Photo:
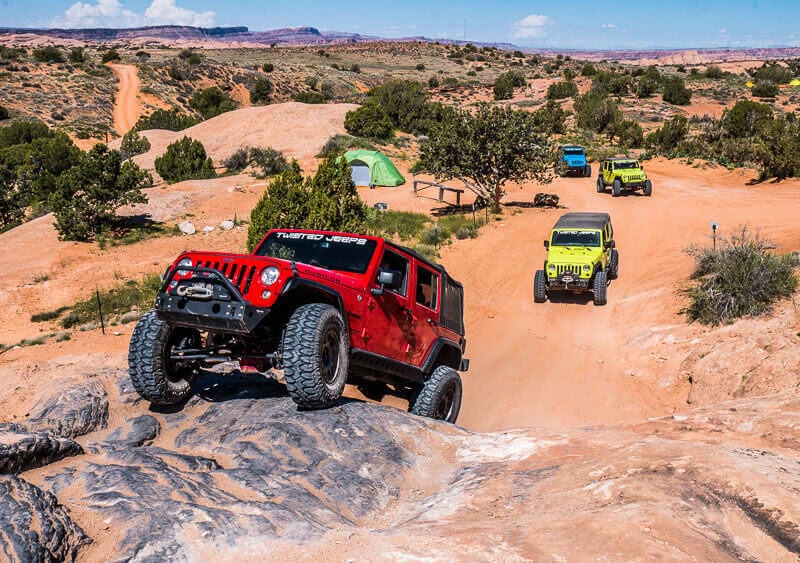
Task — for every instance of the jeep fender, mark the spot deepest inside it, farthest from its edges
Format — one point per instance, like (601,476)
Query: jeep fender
(443,352)
(300,286)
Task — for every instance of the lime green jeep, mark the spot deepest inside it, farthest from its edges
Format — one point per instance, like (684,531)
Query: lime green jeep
(581,256)
(623,174)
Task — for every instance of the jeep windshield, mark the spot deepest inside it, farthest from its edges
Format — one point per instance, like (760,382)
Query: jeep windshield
(575,152)
(333,252)
(626,165)
(576,238)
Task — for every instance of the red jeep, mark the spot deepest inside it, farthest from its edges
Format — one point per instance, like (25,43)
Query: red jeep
(327,308)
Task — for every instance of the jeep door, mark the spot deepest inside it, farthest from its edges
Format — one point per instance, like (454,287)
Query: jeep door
(426,307)
(388,317)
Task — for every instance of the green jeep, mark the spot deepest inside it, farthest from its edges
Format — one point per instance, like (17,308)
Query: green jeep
(623,174)
(581,256)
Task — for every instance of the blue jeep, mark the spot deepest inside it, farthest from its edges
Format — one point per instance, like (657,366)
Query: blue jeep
(573,161)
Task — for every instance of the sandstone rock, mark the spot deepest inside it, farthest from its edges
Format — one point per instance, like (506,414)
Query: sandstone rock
(21,450)
(187,228)
(79,408)
(227,225)
(208,228)
(130,317)
(545,200)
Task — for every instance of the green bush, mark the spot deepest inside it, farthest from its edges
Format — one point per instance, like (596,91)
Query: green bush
(184,160)
(268,160)
(261,92)
(211,102)
(195,59)
(666,138)
(268,67)
(714,72)
(675,91)
(594,110)
(612,82)
(3,113)
(561,90)
(342,143)
(745,119)
(742,277)
(646,87)
(551,118)
(238,161)
(48,54)
(171,120)
(503,88)
(133,144)
(309,98)
(405,102)
(370,120)
(129,296)
(764,89)
(175,73)
(773,72)
(420,67)
(110,56)
(77,55)
(588,70)
(628,133)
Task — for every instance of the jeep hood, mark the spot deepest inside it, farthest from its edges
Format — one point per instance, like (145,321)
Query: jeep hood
(574,254)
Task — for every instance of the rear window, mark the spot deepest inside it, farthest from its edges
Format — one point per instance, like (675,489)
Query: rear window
(333,252)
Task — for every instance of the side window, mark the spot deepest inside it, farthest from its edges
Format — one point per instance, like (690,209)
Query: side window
(393,261)
(427,288)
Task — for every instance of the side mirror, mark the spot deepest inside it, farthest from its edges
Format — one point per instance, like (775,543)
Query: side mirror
(547,244)
(392,279)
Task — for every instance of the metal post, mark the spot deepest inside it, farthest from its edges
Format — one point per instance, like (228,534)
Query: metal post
(714,227)
(474,221)
(100,310)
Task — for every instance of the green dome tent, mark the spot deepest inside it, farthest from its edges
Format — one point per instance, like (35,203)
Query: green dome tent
(381,170)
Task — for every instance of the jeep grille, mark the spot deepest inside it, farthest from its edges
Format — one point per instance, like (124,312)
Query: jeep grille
(239,275)
(563,268)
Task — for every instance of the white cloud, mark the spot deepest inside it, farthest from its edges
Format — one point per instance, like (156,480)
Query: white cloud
(608,26)
(111,13)
(532,27)
(722,30)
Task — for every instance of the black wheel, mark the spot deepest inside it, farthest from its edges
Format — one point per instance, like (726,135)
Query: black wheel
(316,350)
(154,374)
(587,171)
(616,188)
(539,287)
(613,265)
(440,396)
(600,288)
(601,186)
(648,188)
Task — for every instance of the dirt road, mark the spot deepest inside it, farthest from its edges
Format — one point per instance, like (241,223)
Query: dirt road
(126,106)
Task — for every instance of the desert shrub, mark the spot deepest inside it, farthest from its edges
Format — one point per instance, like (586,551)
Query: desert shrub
(133,143)
(714,72)
(143,56)
(77,55)
(742,277)
(646,87)
(268,160)
(675,91)
(195,59)
(48,54)
(612,82)
(588,70)
(745,118)
(355,68)
(9,53)
(185,159)
(561,90)
(370,120)
(175,73)
(261,92)
(450,82)
(777,151)
(341,143)
(326,201)
(3,113)
(309,98)
(87,195)
(185,54)
(238,161)
(327,91)
(628,133)
(126,297)
(765,89)
(171,120)
(405,225)
(551,118)
(405,102)
(666,138)
(503,88)
(420,67)
(110,55)
(311,82)
(268,67)
(773,72)
(594,110)
(211,102)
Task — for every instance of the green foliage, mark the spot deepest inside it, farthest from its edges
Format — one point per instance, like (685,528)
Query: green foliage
(261,92)
(403,225)
(594,110)
(628,133)
(772,71)
(405,102)
(505,84)
(87,195)
(171,120)
(342,143)
(110,56)
(238,161)
(646,87)
(741,278)
(133,144)
(48,315)
(3,113)
(131,296)
(184,160)
(10,53)
(551,118)
(778,152)
(311,82)
(195,59)
(490,147)
(309,98)
(175,73)
(420,67)
(561,90)
(268,67)
(765,89)
(675,91)
(714,72)
(355,68)
(268,160)
(745,118)
(326,201)
(588,70)
(77,55)
(666,139)
(370,120)
(211,102)
(612,82)
(48,54)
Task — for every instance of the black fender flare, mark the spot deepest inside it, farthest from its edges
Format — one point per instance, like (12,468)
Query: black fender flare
(439,345)
(294,283)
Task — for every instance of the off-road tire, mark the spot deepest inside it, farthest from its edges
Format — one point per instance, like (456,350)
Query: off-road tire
(539,287)
(440,396)
(600,288)
(613,265)
(601,186)
(587,171)
(648,188)
(616,188)
(316,350)
(151,370)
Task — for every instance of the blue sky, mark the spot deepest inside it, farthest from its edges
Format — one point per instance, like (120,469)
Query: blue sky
(580,24)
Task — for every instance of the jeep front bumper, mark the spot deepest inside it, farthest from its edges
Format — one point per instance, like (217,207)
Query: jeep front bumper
(634,185)
(206,301)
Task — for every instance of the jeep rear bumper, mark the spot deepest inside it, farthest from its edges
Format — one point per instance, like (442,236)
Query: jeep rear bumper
(206,301)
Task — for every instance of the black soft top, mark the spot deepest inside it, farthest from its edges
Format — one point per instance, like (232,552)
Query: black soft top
(583,221)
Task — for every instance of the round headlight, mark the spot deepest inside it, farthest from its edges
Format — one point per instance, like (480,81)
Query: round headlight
(184,262)
(270,275)
(586,267)
(551,267)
